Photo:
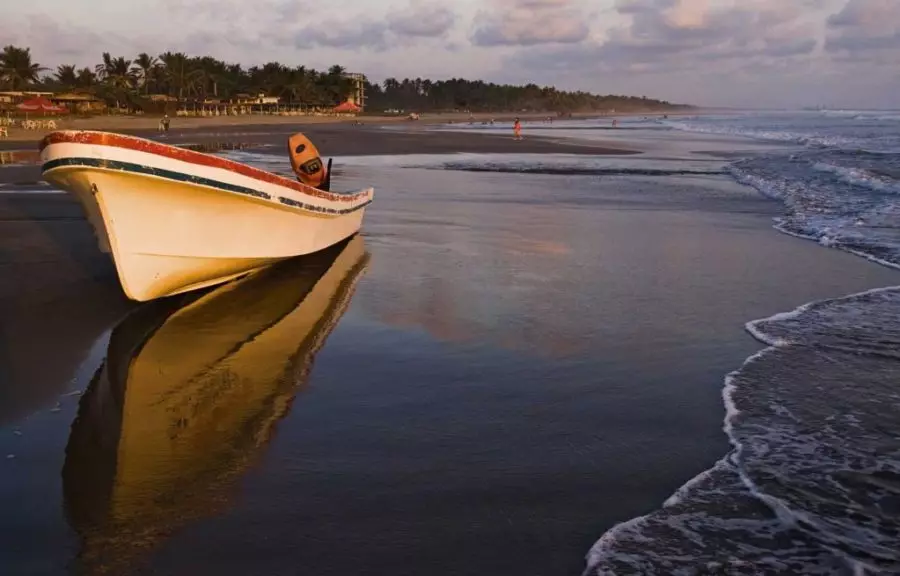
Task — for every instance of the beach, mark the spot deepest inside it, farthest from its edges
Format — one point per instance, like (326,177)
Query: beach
(527,347)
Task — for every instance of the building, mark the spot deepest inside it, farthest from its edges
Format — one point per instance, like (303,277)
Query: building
(358,96)
(83,103)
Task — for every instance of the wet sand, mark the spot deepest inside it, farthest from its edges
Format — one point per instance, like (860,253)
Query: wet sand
(58,293)
(368,138)
(525,361)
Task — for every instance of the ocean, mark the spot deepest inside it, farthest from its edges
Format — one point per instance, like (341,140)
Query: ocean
(812,483)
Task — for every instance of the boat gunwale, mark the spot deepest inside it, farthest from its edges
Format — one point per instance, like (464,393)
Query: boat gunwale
(137,144)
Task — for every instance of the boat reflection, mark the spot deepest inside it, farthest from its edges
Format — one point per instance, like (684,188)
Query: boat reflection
(19,157)
(188,397)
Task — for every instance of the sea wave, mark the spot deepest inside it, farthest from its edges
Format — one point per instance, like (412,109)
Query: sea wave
(871,134)
(812,485)
(878,115)
(844,200)
(859,176)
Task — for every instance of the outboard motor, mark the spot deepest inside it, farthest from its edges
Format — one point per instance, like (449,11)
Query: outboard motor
(307,163)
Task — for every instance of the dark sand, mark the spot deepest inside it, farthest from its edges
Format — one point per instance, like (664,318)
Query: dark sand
(526,361)
(58,293)
(347,139)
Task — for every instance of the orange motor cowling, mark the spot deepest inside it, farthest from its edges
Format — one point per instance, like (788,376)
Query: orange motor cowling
(307,163)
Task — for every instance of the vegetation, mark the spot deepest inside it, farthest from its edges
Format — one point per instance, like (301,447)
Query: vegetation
(480,96)
(129,83)
(16,68)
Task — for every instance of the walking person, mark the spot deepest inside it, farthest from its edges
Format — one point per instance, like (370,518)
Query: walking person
(517,130)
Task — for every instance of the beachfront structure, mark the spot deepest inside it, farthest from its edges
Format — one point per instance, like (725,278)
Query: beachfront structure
(15,96)
(83,103)
(238,105)
(358,96)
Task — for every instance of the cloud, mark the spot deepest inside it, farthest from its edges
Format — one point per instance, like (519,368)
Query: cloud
(343,35)
(700,51)
(418,21)
(422,20)
(226,29)
(703,51)
(52,44)
(863,27)
(661,36)
(530,23)
(677,33)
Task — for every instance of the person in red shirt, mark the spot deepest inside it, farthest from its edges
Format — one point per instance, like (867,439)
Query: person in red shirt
(517,130)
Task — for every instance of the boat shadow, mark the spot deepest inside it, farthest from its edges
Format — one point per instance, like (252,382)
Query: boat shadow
(188,398)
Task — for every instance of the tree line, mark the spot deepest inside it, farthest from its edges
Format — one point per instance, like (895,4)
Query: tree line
(128,83)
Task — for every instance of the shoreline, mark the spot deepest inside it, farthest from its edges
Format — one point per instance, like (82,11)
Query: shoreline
(140,125)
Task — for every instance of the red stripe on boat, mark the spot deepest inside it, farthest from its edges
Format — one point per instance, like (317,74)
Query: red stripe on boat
(185,155)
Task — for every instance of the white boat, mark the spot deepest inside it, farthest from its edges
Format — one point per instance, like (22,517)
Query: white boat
(175,219)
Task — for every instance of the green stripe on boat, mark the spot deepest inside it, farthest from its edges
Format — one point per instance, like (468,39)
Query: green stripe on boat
(187,178)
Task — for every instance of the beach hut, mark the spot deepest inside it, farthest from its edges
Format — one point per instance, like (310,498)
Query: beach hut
(78,102)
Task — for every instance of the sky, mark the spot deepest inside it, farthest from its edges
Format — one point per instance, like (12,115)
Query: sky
(740,53)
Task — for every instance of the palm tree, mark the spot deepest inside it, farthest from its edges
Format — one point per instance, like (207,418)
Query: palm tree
(178,72)
(391,84)
(66,76)
(16,68)
(147,67)
(116,72)
(86,78)
(118,76)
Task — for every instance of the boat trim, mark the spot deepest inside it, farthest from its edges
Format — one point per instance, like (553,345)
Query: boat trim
(120,166)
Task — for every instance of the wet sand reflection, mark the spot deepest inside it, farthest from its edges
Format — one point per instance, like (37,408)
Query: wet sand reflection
(188,398)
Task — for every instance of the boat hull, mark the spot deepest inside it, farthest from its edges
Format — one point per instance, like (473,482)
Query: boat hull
(174,225)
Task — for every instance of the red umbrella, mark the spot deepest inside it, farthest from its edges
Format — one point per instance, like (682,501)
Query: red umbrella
(347,107)
(40,104)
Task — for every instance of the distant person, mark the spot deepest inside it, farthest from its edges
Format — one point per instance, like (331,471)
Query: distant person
(517,130)
(165,122)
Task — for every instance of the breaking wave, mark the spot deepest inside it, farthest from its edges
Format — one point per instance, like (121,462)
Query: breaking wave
(837,198)
(813,483)
(870,133)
